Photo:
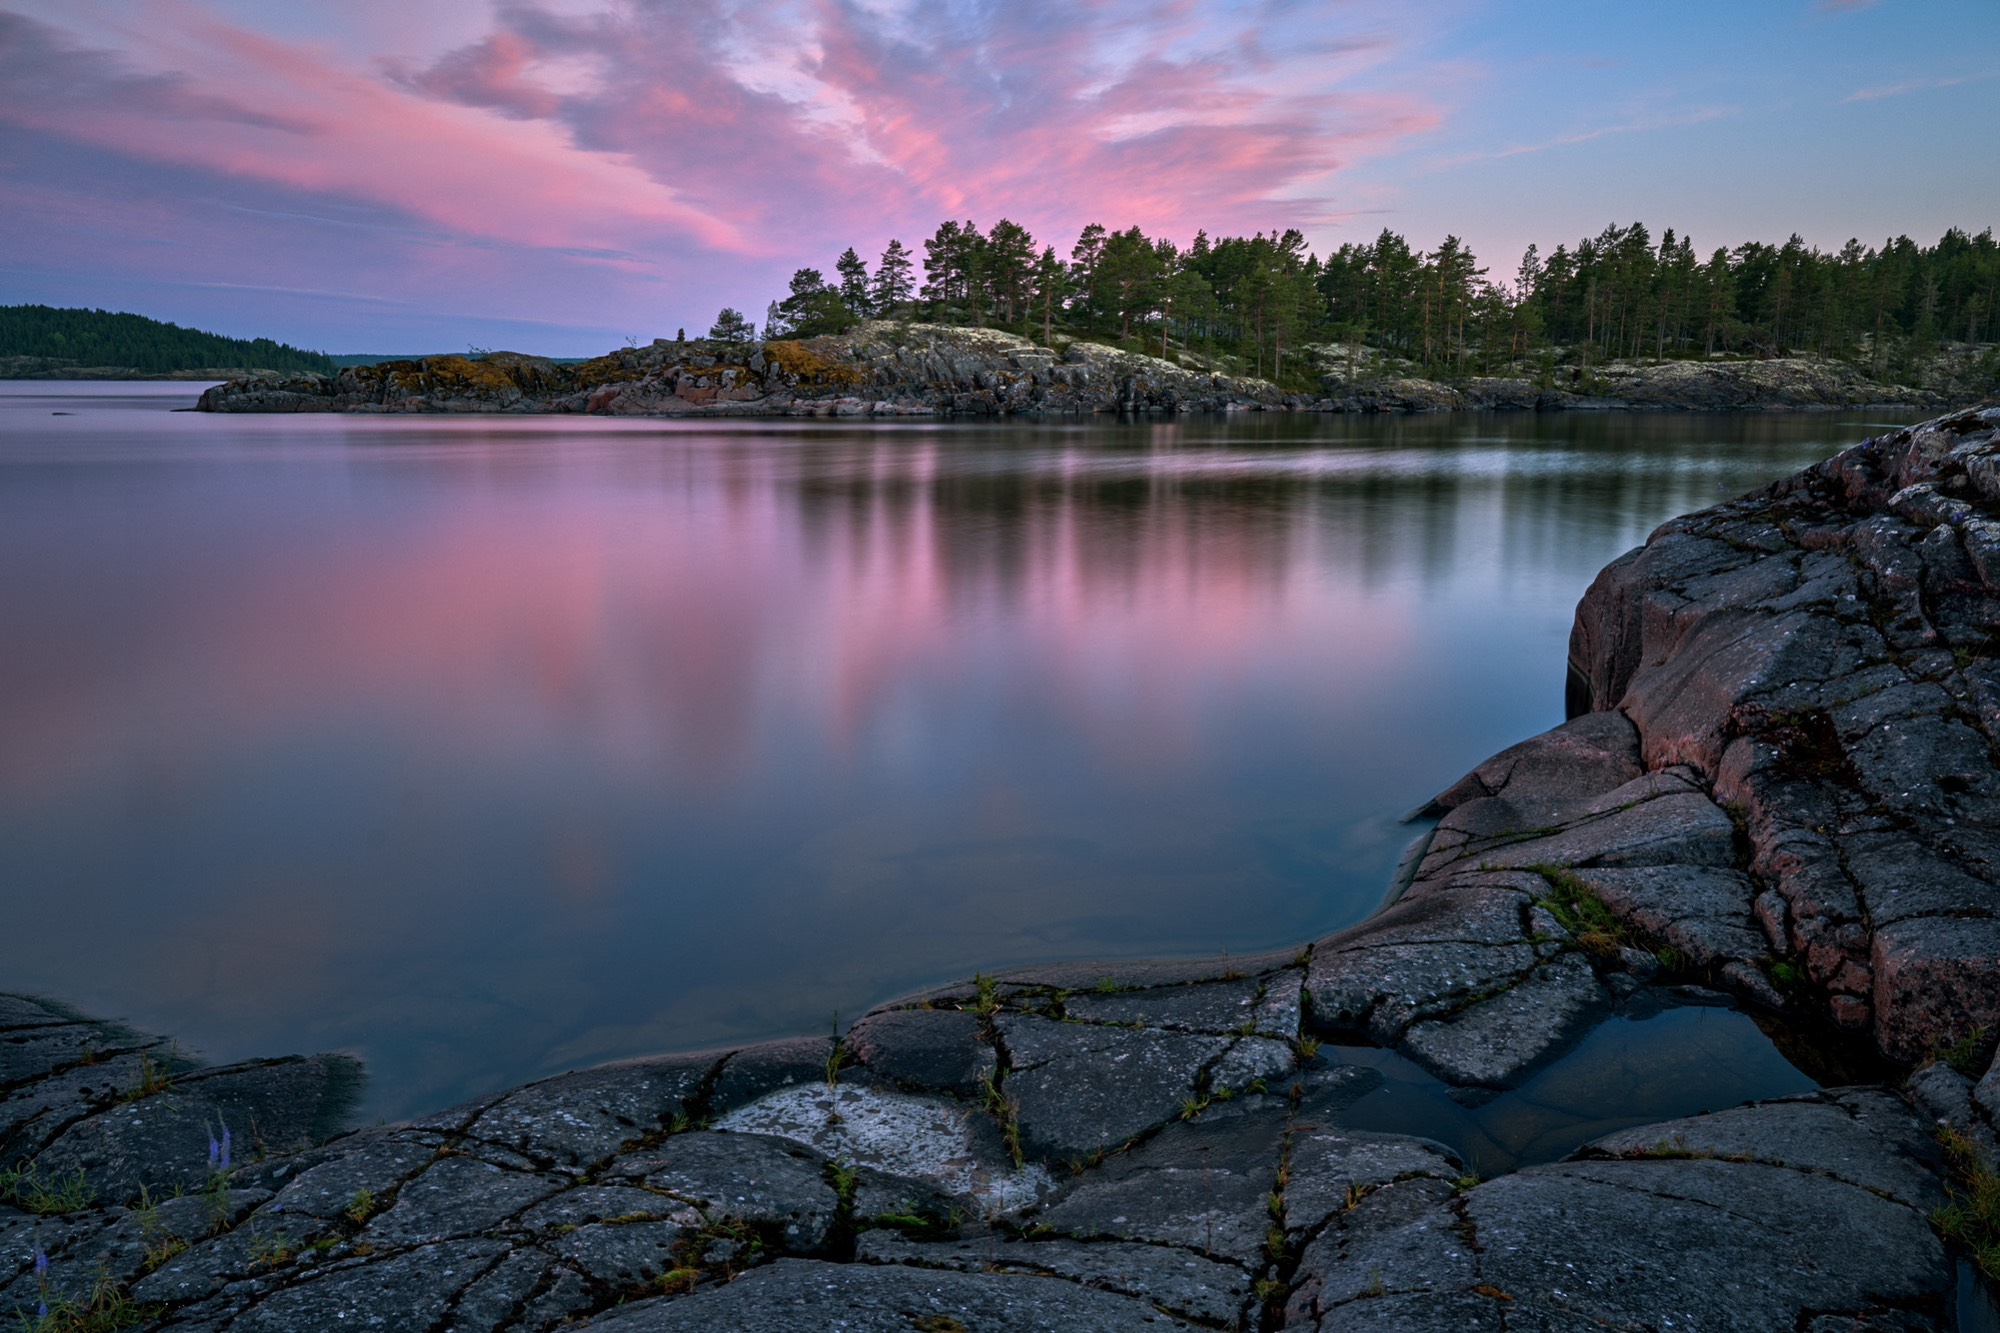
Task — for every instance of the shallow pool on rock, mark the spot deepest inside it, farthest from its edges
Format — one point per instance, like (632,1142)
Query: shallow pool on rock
(1642,1065)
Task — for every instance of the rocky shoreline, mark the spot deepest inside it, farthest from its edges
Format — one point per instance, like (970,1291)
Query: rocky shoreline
(884,369)
(53,368)
(1778,782)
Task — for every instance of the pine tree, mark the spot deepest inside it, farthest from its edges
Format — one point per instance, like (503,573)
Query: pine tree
(731,327)
(1009,269)
(814,307)
(894,282)
(1052,288)
(854,282)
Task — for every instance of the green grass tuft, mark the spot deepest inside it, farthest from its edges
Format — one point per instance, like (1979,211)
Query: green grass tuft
(25,1188)
(1971,1220)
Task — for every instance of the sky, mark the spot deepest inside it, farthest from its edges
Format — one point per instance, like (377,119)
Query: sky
(560,176)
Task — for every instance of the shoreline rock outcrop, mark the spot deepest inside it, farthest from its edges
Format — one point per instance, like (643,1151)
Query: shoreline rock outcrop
(884,369)
(1779,782)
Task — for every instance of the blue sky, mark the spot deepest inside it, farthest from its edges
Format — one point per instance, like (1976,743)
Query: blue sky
(362,175)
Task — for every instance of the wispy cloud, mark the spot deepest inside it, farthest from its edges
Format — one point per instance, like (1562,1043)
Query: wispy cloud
(695,142)
(1886,90)
(1693,116)
(734,126)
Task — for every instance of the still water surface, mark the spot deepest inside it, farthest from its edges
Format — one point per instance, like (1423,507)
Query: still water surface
(486,748)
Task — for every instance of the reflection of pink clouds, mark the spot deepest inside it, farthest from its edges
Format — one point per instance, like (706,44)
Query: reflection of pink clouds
(661,631)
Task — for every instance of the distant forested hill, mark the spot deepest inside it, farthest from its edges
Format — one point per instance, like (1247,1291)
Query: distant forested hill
(88,338)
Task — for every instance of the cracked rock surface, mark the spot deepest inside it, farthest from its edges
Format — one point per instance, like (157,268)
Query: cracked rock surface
(1818,657)
(909,1205)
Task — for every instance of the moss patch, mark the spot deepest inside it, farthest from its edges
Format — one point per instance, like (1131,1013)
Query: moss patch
(1596,929)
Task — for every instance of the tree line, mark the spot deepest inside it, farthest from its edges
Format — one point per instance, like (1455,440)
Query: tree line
(1259,298)
(102,338)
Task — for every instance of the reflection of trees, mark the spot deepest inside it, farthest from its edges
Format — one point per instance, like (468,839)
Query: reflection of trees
(1250,502)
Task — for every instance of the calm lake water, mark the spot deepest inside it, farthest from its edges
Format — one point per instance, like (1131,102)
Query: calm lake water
(488,748)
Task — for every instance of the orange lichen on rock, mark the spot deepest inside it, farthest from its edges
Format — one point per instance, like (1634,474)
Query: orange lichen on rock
(807,366)
(608,369)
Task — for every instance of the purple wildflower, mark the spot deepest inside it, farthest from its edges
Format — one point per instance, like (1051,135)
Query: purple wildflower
(214,1152)
(41,1263)
(225,1147)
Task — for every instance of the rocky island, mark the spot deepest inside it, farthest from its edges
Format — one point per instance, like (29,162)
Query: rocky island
(891,369)
(1777,785)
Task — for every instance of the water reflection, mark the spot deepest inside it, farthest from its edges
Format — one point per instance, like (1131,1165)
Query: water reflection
(1644,1065)
(486,748)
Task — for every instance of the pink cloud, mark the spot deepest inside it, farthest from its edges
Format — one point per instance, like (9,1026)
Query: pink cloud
(646,131)
(294,117)
(491,73)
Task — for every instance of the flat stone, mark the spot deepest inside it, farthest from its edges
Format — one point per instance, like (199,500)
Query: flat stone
(1397,1239)
(623,1253)
(1575,761)
(1380,992)
(118,1245)
(1182,1283)
(1862,1137)
(1424,956)
(1218,1008)
(458,1196)
(405,1291)
(885,1200)
(34,1052)
(872,1299)
(1253,1064)
(1699,1244)
(1681,829)
(584,1204)
(24,1235)
(376,1162)
(25,1011)
(1427,1313)
(1280,1010)
(757,1070)
(1469,908)
(748,1177)
(160,1142)
(1704,912)
(1332,1167)
(574,1120)
(1464,836)
(1081,1089)
(944,1144)
(238,1262)
(1899,877)
(1145,973)
(925,1049)
(1201,1184)
(36,1111)
(1498,1041)
(1936,980)
(526,1290)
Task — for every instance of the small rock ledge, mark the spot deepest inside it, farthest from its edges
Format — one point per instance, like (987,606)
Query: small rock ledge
(1779,782)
